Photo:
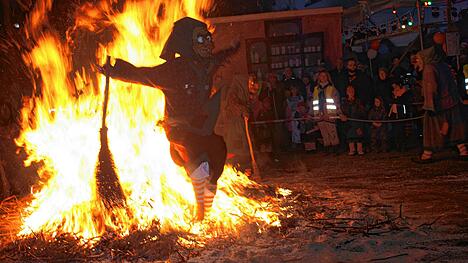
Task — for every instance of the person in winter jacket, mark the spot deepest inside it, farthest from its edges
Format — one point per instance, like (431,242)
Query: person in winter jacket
(353,108)
(378,130)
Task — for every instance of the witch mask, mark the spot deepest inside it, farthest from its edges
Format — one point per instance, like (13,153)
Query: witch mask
(202,42)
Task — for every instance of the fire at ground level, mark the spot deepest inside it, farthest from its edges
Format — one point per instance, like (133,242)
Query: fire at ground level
(381,207)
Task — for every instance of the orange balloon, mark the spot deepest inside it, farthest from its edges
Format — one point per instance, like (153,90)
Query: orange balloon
(439,38)
(374,44)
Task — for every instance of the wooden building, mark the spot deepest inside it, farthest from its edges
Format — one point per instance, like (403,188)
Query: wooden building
(300,39)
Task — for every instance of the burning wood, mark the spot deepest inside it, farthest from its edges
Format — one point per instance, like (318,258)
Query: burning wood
(147,244)
(151,243)
(301,215)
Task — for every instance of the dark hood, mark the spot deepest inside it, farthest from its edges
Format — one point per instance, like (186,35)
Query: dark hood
(180,40)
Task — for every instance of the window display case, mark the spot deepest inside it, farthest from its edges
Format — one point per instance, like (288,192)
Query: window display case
(285,46)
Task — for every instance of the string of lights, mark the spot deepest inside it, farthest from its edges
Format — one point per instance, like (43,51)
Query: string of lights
(398,23)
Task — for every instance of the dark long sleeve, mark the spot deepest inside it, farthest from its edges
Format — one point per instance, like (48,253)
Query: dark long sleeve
(221,57)
(150,76)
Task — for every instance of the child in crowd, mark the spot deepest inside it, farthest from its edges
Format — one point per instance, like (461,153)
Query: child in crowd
(378,129)
(400,109)
(302,113)
(292,111)
(353,108)
(309,87)
(383,87)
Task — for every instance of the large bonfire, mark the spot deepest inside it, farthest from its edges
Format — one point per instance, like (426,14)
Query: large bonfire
(60,130)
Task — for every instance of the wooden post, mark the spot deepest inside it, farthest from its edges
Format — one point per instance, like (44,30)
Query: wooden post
(449,15)
(418,7)
(256,170)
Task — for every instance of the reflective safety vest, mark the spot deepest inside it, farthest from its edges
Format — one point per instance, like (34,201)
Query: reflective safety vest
(329,105)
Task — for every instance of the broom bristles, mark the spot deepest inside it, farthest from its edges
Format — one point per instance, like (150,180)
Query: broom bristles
(108,187)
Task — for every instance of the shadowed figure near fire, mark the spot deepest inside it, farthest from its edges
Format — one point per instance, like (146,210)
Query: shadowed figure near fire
(191,110)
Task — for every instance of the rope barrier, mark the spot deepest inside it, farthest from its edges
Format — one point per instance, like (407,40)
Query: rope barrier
(335,118)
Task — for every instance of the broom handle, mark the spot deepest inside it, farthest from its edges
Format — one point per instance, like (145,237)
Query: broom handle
(249,141)
(106,94)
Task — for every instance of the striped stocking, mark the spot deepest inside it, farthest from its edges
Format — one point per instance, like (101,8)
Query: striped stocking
(199,179)
(462,149)
(426,155)
(210,192)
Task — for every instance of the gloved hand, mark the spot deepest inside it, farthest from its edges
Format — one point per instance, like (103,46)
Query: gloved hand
(105,69)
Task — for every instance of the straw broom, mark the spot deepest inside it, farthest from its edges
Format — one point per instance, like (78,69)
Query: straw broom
(109,189)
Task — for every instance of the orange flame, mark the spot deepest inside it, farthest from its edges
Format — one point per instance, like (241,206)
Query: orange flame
(61,132)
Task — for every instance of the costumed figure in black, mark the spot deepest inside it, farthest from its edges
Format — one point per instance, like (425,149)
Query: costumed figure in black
(191,111)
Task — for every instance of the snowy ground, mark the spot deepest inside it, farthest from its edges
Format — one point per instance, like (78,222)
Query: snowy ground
(377,208)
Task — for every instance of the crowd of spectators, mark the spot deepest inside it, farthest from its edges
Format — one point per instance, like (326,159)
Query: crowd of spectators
(319,109)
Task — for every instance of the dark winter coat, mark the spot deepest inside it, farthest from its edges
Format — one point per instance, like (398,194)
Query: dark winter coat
(186,84)
(403,105)
(383,89)
(377,113)
(362,84)
(354,109)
